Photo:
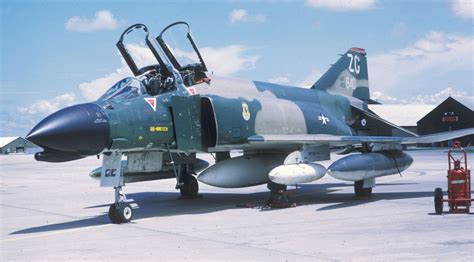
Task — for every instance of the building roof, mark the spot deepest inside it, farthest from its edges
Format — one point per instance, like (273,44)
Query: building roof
(402,115)
(7,140)
(467,101)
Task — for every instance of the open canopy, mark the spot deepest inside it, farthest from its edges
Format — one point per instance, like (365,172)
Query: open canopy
(140,51)
(180,48)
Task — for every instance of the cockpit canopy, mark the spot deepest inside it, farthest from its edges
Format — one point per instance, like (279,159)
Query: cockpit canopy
(153,57)
(140,51)
(124,90)
(178,45)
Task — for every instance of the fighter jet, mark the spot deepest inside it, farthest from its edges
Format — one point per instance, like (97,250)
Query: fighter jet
(152,125)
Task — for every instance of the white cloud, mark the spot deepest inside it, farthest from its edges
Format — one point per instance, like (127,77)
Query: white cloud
(103,20)
(343,5)
(241,15)
(279,80)
(222,61)
(385,99)
(442,95)
(228,60)
(310,79)
(463,8)
(435,53)
(49,106)
(95,88)
(434,99)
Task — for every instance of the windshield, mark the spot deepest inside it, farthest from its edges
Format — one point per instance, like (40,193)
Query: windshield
(125,89)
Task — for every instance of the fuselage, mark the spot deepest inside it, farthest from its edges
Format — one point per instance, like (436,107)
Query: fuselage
(208,117)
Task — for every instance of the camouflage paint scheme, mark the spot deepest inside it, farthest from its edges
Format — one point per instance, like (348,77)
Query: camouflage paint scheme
(272,109)
(172,110)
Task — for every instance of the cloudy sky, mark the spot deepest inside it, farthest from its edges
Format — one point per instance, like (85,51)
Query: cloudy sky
(58,53)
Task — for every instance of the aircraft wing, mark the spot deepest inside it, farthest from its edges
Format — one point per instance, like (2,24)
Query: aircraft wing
(353,140)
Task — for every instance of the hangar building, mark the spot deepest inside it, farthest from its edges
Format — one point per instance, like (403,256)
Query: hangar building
(405,116)
(451,114)
(16,144)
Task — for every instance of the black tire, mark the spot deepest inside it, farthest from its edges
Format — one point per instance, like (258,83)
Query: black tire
(274,187)
(438,201)
(190,188)
(124,212)
(360,191)
(113,214)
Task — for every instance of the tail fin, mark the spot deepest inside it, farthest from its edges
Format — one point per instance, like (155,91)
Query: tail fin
(348,76)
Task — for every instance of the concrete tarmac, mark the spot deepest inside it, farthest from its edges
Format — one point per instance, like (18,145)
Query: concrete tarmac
(55,212)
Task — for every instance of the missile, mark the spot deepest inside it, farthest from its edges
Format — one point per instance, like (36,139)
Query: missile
(165,172)
(293,174)
(370,165)
(242,171)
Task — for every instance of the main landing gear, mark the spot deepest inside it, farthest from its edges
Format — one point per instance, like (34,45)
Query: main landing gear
(278,197)
(362,192)
(189,188)
(120,211)
(187,183)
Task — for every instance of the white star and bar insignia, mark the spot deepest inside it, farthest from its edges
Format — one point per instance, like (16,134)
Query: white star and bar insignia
(323,119)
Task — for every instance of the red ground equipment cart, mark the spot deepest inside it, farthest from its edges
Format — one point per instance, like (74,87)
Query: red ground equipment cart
(459,183)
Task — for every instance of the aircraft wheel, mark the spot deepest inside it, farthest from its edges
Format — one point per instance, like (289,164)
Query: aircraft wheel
(360,191)
(124,213)
(274,187)
(113,214)
(438,200)
(190,188)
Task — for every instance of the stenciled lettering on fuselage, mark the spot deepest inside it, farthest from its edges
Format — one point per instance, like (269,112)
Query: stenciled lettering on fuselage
(158,129)
(354,67)
(99,119)
(354,63)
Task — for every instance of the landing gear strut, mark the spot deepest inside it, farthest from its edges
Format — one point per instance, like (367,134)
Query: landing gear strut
(188,185)
(278,197)
(360,191)
(120,211)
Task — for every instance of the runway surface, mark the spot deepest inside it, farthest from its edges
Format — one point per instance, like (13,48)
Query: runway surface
(56,212)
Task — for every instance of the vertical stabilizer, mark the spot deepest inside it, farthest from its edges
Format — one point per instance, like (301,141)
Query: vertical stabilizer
(348,76)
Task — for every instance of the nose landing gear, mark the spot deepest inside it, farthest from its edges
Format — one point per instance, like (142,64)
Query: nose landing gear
(120,211)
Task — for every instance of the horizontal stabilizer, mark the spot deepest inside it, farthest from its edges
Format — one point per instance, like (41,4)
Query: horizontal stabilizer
(438,137)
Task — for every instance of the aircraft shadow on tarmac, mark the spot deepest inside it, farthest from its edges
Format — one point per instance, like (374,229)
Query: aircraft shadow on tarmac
(161,204)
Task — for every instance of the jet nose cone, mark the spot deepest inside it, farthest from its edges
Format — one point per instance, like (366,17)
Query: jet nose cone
(82,129)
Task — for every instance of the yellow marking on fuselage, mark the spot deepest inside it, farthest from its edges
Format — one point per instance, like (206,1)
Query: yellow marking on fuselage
(158,129)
